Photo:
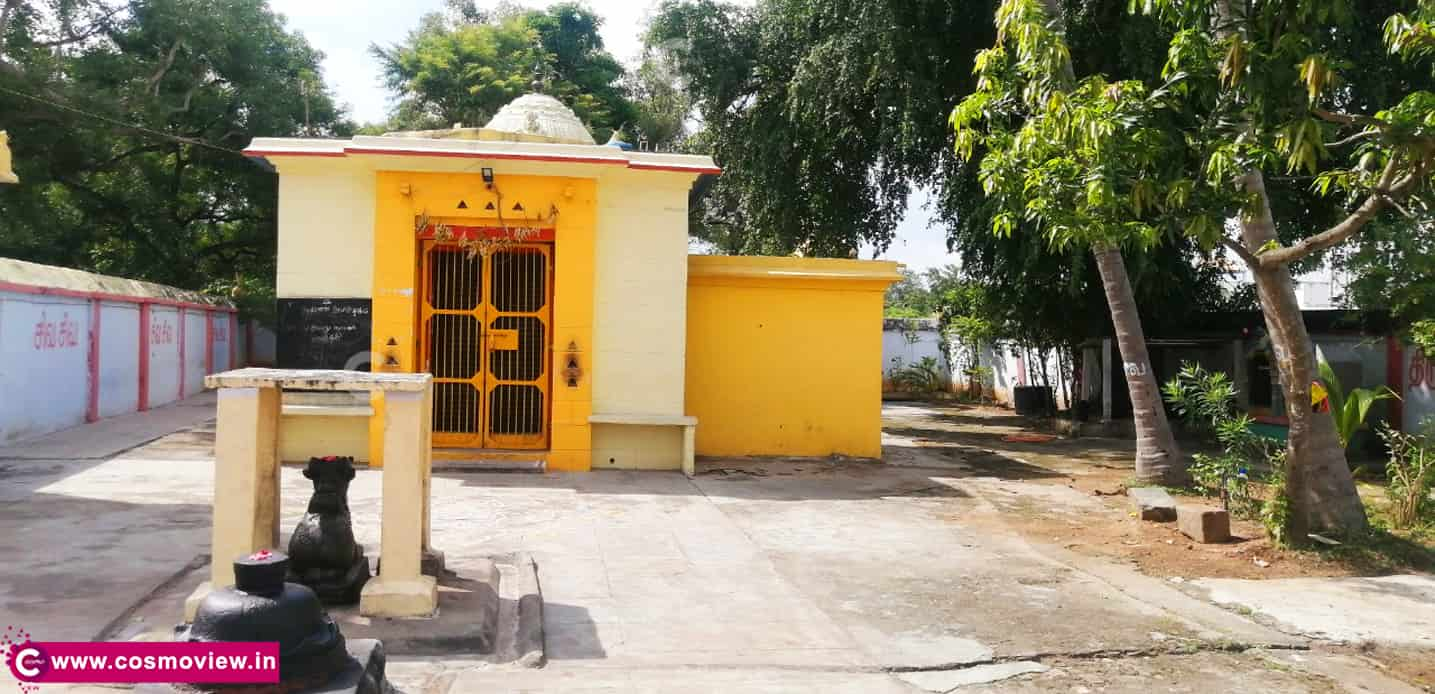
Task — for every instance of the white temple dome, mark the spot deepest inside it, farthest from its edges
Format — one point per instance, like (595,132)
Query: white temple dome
(542,116)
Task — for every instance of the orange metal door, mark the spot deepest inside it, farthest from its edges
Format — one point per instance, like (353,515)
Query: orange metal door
(486,326)
(519,329)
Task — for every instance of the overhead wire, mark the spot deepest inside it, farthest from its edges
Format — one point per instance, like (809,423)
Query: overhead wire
(112,121)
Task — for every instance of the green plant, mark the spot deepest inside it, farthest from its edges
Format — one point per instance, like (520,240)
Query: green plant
(1411,475)
(1422,333)
(1350,409)
(924,376)
(1276,507)
(1206,401)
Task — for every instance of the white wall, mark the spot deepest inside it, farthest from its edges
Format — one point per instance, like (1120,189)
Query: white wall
(222,332)
(70,346)
(44,355)
(640,289)
(119,358)
(195,357)
(163,355)
(1419,395)
(640,285)
(896,345)
(326,230)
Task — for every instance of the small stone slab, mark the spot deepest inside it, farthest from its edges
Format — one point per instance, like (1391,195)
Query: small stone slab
(1204,524)
(1153,504)
(948,680)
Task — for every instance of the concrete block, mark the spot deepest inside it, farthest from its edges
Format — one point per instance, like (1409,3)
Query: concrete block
(1153,504)
(1204,524)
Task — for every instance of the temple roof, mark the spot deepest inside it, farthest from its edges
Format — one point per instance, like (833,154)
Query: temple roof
(543,116)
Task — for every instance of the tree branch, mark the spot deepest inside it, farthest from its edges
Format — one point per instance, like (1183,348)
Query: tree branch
(1349,118)
(1235,246)
(152,84)
(1386,191)
(1353,138)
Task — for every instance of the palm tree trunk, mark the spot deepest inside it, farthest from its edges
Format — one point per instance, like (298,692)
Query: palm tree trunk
(1158,460)
(1321,490)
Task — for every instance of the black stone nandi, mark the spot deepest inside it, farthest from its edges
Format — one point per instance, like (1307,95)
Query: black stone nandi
(323,554)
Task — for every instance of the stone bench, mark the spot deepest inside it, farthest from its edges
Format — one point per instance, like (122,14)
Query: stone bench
(689,425)
(247,489)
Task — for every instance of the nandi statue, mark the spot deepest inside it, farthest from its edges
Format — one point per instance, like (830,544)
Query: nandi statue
(322,551)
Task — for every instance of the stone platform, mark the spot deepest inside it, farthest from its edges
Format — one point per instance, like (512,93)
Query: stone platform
(490,610)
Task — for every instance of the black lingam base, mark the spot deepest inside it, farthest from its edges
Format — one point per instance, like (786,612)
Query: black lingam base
(322,550)
(261,606)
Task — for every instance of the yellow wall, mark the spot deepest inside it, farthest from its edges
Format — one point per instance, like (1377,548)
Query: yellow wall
(302,438)
(784,355)
(326,229)
(401,197)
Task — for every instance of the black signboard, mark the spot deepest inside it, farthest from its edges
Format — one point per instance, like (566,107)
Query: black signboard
(324,333)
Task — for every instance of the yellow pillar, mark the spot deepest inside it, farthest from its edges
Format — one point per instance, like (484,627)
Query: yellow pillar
(246,483)
(401,589)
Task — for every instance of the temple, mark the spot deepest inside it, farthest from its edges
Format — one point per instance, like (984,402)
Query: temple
(545,282)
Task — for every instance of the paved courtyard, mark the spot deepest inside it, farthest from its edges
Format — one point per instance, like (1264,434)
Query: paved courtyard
(773,576)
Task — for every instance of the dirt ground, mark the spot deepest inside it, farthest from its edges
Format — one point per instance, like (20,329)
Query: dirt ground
(1084,506)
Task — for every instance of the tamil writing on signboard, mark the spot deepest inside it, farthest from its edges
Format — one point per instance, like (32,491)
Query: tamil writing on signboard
(324,333)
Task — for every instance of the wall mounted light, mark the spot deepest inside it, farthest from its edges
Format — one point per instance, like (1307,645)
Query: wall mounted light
(487,174)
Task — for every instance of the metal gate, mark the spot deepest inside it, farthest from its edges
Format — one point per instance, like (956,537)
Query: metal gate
(485,329)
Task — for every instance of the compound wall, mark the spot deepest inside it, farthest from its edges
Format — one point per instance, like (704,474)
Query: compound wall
(75,346)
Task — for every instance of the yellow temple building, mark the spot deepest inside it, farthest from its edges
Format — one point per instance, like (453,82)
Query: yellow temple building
(545,282)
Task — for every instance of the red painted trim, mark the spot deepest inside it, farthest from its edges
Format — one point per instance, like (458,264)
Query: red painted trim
(182,329)
(208,343)
(1395,378)
(473,232)
(673,167)
(288,153)
(505,156)
(144,358)
(18,288)
(567,159)
(92,402)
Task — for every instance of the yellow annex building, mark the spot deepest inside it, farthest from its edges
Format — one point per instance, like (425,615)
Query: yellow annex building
(546,283)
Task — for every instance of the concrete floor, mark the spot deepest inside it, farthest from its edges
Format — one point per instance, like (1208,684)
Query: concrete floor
(779,576)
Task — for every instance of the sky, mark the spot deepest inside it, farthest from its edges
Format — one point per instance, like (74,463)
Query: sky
(344,30)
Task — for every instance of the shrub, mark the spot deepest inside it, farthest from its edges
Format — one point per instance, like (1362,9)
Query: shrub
(924,376)
(1206,401)
(1411,474)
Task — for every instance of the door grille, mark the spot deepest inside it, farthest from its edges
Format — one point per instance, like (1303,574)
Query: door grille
(485,338)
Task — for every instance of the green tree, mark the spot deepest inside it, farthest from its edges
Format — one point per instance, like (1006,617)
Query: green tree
(823,114)
(1392,266)
(910,297)
(464,65)
(1046,171)
(126,120)
(1243,89)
